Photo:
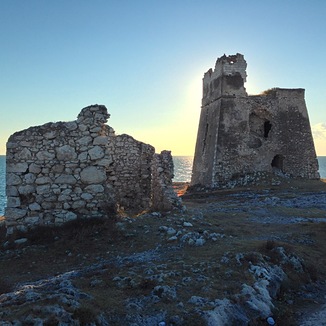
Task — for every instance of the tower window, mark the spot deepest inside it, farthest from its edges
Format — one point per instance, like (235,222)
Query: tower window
(267,128)
(277,162)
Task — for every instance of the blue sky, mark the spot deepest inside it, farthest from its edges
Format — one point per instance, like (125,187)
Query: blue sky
(145,61)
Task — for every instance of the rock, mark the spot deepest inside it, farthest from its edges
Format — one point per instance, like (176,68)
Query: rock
(65,179)
(200,242)
(17,167)
(187,224)
(165,292)
(171,231)
(96,153)
(45,156)
(21,241)
(198,301)
(92,175)
(66,153)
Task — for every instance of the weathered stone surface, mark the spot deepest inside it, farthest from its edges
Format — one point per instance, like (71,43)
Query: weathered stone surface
(29,178)
(45,155)
(18,167)
(50,135)
(13,179)
(65,179)
(96,153)
(25,154)
(32,220)
(12,191)
(15,213)
(95,188)
(34,168)
(34,207)
(26,189)
(101,140)
(66,153)
(42,190)
(92,175)
(84,141)
(86,196)
(83,167)
(240,135)
(43,180)
(13,202)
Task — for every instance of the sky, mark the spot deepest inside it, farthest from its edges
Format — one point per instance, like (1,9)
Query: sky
(145,60)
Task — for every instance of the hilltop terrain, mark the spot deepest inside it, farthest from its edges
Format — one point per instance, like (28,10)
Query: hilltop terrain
(232,257)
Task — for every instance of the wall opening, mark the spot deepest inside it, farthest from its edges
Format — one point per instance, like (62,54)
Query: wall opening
(277,162)
(267,128)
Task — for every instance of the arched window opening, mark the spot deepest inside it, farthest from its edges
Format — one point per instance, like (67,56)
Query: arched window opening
(277,162)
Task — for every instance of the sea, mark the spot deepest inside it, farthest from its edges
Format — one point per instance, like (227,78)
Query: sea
(182,173)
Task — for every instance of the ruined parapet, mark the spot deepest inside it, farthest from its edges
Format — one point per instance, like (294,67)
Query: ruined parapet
(164,198)
(60,171)
(227,79)
(240,135)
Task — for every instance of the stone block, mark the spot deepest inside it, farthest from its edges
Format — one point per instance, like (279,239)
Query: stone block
(34,207)
(13,202)
(43,180)
(101,140)
(15,213)
(70,216)
(43,189)
(32,220)
(92,175)
(29,178)
(26,190)
(96,153)
(34,168)
(13,179)
(12,191)
(65,179)
(45,156)
(25,154)
(95,188)
(66,153)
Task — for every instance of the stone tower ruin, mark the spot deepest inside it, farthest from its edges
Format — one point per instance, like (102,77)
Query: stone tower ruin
(241,137)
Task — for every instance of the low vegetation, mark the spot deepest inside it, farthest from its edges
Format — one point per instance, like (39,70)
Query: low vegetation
(174,268)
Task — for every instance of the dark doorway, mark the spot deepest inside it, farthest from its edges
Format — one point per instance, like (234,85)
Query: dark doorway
(277,162)
(267,128)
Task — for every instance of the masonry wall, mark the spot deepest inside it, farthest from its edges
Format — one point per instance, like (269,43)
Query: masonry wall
(60,171)
(241,135)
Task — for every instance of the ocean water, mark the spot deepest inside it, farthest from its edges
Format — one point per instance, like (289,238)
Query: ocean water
(182,168)
(3,198)
(182,173)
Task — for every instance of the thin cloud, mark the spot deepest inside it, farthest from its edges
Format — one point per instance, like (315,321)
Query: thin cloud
(319,130)
(319,135)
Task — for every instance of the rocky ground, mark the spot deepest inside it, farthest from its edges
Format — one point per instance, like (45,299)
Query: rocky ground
(250,256)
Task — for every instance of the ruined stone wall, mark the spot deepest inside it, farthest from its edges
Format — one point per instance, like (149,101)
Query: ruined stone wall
(164,198)
(241,135)
(60,171)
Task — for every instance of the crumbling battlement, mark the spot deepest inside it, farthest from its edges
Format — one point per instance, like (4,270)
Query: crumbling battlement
(60,171)
(241,135)
(227,79)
